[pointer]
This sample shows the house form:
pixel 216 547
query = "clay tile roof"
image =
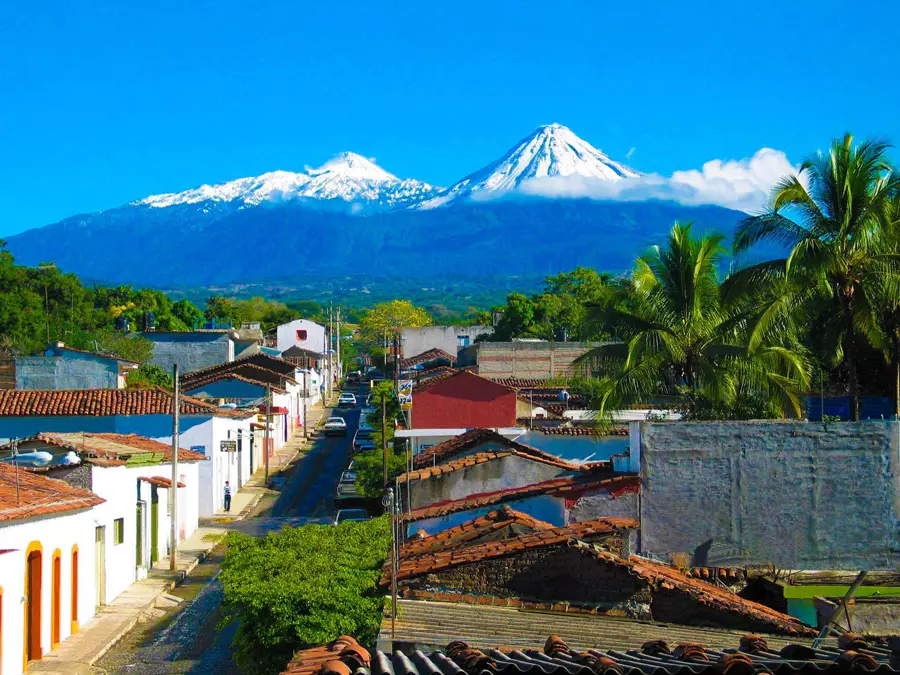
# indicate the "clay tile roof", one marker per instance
pixel 477 528
pixel 260 360
pixel 340 657
pixel 426 357
pixel 160 481
pixel 453 446
pixel 101 402
pixel 568 486
pixel 203 380
pixel 457 372
pixel 487 456
pixel 559 656
pixel 25 495
pixel 113 446
pixel 416 565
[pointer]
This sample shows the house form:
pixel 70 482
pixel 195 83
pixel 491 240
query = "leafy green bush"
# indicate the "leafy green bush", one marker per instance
pixel 369 467
pixel 303 586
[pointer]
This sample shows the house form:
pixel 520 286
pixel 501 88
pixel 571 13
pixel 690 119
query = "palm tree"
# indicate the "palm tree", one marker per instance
pixel 838 229
pixel 677 336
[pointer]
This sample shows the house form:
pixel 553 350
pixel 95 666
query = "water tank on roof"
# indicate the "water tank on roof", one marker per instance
pixel 149 322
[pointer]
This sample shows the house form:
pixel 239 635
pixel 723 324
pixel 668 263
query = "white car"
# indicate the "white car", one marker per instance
pixel 335 426
pixel 347 400
pixel 357 515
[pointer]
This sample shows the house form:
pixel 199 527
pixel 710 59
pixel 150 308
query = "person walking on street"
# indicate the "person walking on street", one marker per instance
pixel 227 497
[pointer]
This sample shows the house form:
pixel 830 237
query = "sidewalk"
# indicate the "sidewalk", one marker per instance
pixel 79 652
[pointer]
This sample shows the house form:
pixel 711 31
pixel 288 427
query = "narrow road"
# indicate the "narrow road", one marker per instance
pixel 188 638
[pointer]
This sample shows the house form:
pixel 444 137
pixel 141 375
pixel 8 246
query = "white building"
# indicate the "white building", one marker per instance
pixel 146 412
pixel 450 339
pixel 133 475
pixel 48 569
pixel 301 333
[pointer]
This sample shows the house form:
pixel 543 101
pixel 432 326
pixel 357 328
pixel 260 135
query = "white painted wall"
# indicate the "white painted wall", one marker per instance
pixel 286 336
pixel 54 533
pixel 120 487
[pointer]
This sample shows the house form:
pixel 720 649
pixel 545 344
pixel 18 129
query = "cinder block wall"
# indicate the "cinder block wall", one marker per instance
pixel 796 494
pixel 529 360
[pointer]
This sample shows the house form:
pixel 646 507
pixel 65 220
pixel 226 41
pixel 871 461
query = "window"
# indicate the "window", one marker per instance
pixel 302 335
pixel 462 340
pixel 119 531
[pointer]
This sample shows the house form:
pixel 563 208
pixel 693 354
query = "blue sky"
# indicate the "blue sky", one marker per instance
pixel 105 102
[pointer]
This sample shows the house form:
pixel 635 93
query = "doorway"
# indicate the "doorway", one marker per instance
pixel 100 557
pixel 240 448
pixel 55 600
pixel 154 524
pixel 140 553
pixel 74 589
pixel 33 568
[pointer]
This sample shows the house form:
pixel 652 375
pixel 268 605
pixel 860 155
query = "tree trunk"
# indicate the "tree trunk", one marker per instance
pixel 850 358
pixel 897 381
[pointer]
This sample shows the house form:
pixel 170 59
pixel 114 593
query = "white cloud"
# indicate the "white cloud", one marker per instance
pixel 736 184
pixel 629 153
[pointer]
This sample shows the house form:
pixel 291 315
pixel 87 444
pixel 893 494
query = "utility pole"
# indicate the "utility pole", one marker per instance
pixel 173 491
pixel 268 422
pixel 384 452
pixel 397 363
pixel 340 363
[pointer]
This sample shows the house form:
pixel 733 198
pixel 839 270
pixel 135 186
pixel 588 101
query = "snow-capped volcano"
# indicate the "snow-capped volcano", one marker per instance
pixel 347 177
pixel 552 150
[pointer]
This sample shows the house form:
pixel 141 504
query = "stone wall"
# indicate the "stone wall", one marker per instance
pixel 529 360
pixel 72 371
pixel 796 494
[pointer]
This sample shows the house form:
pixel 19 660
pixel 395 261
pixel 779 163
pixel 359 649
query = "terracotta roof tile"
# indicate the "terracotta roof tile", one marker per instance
pixel 453 446
pixel 568 486
pixel 472 530
pixel 196 383
pixel 418 564
pixel 112 446
pixel 25 495
pixel 426 357
pixel 483 457
pixel 260 360
pixel 101 402
pixel 160 481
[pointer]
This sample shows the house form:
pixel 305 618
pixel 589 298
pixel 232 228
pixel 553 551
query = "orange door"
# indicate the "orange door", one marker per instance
pixel 55 604
pixel 75 590
pixel 33 613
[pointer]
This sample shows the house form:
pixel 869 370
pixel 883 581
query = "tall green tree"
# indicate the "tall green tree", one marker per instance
pixel 677 338
pixel 388 317
pixel 835 218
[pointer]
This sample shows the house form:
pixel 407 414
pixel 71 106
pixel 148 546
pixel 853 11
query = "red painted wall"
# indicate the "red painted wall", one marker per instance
pixel 464 401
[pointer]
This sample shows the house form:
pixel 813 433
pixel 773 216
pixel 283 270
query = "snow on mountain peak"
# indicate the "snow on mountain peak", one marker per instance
pixel 347 177
pixel 551 150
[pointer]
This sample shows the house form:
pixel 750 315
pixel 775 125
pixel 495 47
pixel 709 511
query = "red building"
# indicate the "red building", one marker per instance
pixel 463 401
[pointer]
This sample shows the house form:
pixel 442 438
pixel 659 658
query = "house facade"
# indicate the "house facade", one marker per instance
pixel 145 412
pixel 48 570
pixel 526 359
pixel 450 339
pixel 62 367
pixel 302 333
pixel 463 401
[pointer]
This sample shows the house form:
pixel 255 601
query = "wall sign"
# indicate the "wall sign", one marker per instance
pixel 228 446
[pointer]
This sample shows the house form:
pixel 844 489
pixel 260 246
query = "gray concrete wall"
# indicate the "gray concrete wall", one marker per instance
pixel 418 340
pixel 796 494
pixel 603 505
pixel 72 371
pixel 529 360
pixel 191 351
pixel 501 474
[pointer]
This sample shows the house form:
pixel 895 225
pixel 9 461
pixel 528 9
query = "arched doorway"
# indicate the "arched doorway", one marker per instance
pixel 33 583
pixel 74 589
pixel 55 599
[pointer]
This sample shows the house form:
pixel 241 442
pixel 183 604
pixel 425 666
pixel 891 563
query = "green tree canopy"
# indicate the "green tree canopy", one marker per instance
pixel 390 316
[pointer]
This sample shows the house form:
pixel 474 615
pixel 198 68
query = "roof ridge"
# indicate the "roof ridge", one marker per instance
pixel 488 456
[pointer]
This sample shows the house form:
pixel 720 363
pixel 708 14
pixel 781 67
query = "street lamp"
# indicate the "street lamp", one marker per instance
pixel 388 502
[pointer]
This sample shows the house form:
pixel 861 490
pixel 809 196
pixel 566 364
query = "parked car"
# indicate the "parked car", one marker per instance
pixel 335 426
pixel 353 377
pixel 357 515
pixel 347 400
pixel 348 477
pixel 345 491
pixel 363 441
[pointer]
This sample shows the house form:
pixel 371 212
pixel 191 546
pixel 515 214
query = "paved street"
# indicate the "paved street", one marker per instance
pixel 187 639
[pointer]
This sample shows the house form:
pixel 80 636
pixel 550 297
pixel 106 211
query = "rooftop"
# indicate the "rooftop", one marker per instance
pixel 59 346
pixel 458 444
pixel 261 360
pixel 484 457
pixel 25 495
pixel 569 486
pixel 101 402
pixel 115 448
pixel 443 377
pixel 246 375
pixel 660 650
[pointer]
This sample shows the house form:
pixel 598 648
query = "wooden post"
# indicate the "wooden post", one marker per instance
pixel 384 452
pixel 173 491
